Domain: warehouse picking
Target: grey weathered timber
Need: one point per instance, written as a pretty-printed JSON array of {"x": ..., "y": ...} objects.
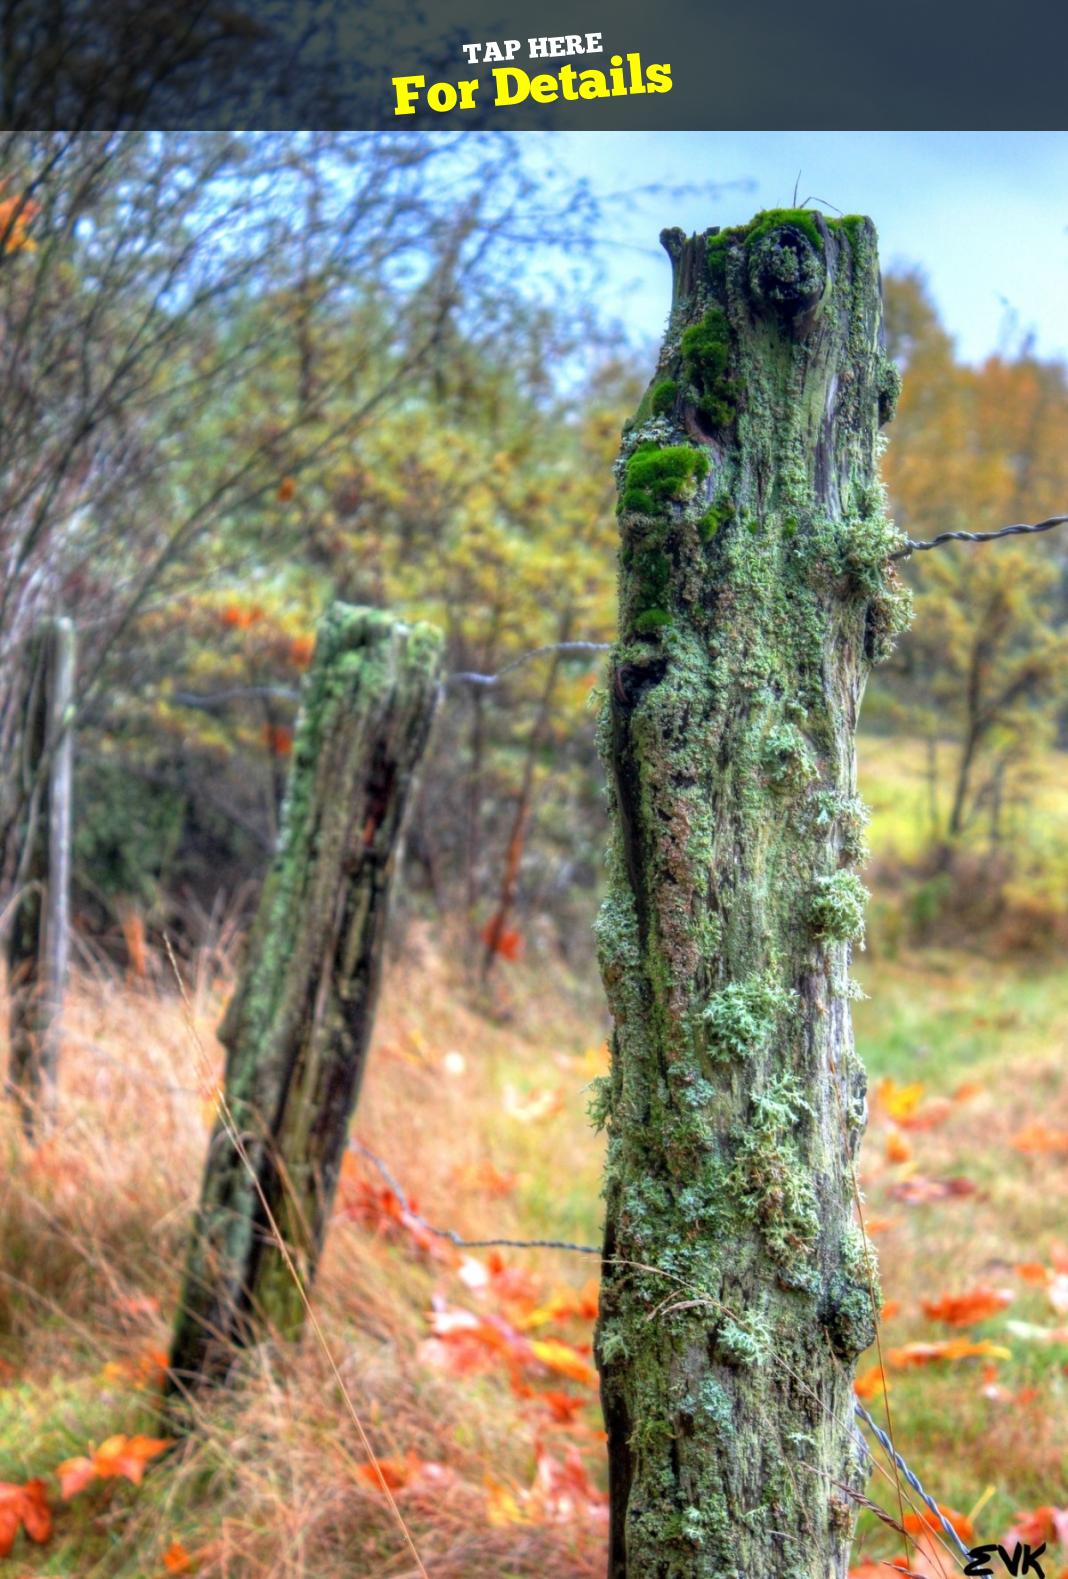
[
  {"x": 298, "y": 1027},
  {"x": 37, "y": 941},
  {"x": 755, "y": 591}
]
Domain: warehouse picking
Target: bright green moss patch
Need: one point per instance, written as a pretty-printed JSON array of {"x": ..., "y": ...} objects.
[
  {"x": 715, "y": 516},
  {"x": 652, "y": 620},
  {"x": 717, "y": 250},
  {"x": 663, "y": 396},
  {"x": 660, "y": 476},
  {"x": 706, "y": 355},
  {"x": 770, "y": 219}
]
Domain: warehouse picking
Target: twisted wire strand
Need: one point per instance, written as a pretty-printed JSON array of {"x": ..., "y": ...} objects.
[
  {"x": 471, "y": 677},
  {"x": 591, "y": 1250},
  {"x": 913, "y": 546},
  {"x": 450, "y": 1234},
  {"x": 911, "y": 1476}
]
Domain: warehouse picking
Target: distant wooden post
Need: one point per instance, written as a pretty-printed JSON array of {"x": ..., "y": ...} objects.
[
  {"x": 299, "y": 1025},
  {"x": 37, "y": 941}
]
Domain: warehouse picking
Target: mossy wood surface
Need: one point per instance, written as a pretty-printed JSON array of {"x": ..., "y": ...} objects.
[
  {"x": 298, "y": 1027},
  {"x": 37, "y": 939},
  {"x": 755, "y": 591}
]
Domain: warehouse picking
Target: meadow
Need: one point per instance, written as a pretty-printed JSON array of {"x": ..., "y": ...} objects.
[{"x": 468, "y": 1373}]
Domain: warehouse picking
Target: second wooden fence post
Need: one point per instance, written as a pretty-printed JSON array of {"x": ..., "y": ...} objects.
[
  {"x": 37, "y": 942},
  {"x": 299, "y": 1025}
]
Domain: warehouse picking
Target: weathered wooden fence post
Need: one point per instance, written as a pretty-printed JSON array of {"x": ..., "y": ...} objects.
[
  {"x": 38, "y": 933},
  {"x": 298, "y": 1027},
  {"x": 755, "y": 590}
]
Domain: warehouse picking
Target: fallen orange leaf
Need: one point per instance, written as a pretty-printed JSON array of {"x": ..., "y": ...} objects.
[
  {"x": 913, "y": 1354},
  {"x": 1033, "y": 1272},
  {"x": 897, "y": 1147},
  {"x": 898, "y": 1101},
  {"x": 929, "y": 1115},
  {"x": 562, "y": 1406},
  {"x": 147, "y": 1370},
  {"x": 120, "y": 1456},
  {"x": 1040, "y": 1139},
  {"x": 964, "y": 1310},
  {"x": 396, "y": 1472},
  {"x": 127, "y": 1456},
  {"x": 564, "y": 1305},
  {"x": 23, "y": 1507},
  {"x": 565, "y": 1360},
  {"x": 177, "y": 1560},
  {"x": 1040, "y": 1524},
  {"x": 74, "y": 1475},
  {"x": 870, "y": 1383},
  {"x": 917, "y": 1523}
]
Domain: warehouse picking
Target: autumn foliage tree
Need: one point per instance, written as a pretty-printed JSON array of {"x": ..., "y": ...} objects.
[
  {"x": 981, "y": 675},
  {"x": 200, "y": 335}
]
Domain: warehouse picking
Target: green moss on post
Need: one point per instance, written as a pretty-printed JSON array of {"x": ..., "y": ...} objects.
[
  {"x": 298, "y": 1027},
  {"x": 756, "y": 588}
]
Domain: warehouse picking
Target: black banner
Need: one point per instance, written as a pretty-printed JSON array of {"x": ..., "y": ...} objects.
[{"x": 580, "y": 65}]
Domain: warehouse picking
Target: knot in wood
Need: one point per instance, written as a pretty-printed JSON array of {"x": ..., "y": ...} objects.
[{"x": 787, "y": 274}]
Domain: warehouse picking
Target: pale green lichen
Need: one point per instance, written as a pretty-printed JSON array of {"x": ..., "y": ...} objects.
[
  {"x": 836, "y": 907},
  {"x": 742, "y": 1346},
  {"x": 741, "y": 1017},
  {"x": 787, "y": 758},
  {"x": 771, "y": 1180}
]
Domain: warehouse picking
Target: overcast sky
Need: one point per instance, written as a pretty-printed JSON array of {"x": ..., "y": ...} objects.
[{"x": 985, "y": 214}]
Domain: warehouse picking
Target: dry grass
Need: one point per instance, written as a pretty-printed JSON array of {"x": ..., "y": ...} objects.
[
  {"x": 92, "y": 1235},
  {"x": 93, "y": 1226}
]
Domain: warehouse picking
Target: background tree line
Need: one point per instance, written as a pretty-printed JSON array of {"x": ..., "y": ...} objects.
[{"x": 246, "y": 374}]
